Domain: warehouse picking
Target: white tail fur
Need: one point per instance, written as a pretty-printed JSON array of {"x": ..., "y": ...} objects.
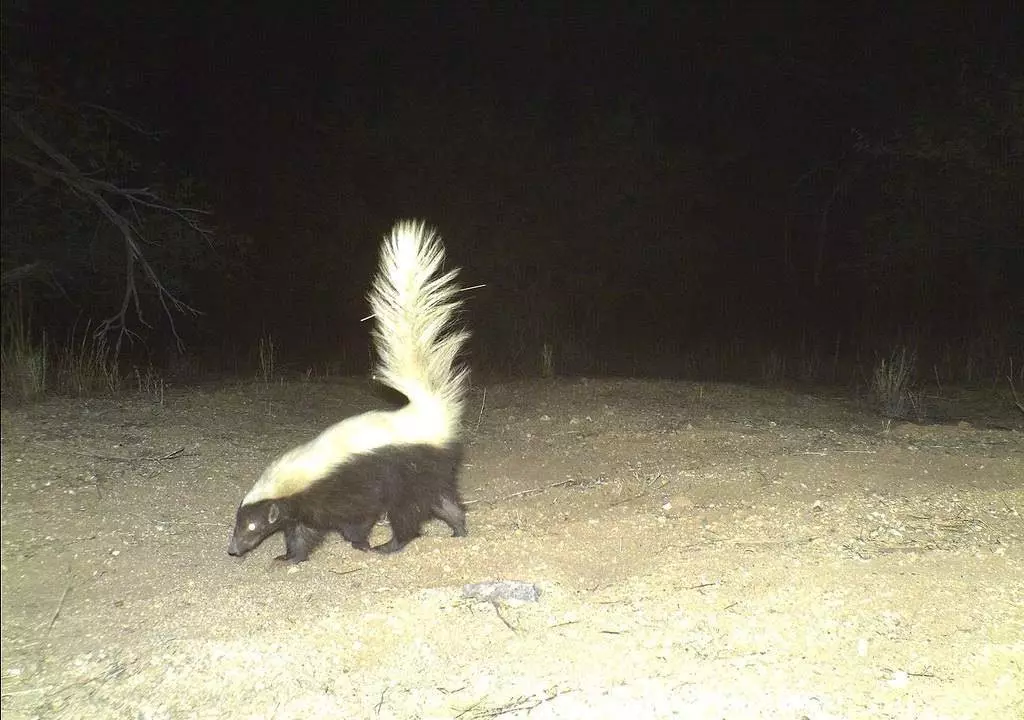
[{"x": 414, "y": 303}]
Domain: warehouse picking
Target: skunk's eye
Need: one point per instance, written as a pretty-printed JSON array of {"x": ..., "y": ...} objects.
[{"x": 252, "y": 526}]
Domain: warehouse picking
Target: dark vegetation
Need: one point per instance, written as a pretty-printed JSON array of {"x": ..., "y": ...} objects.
[{"x": 615, "y": 232}]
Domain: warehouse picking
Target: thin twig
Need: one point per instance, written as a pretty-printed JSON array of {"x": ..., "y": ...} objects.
[
  {"x": 648, "y": 487},
  {"x": 60, "y": 605},
  {"x": 119, "y": 458},
  {"x": 343, "y": 572},
  {"x": 518, "y": 705},
  {"x": 480, "y": 415},
  {"x": 371, "y": 316},
  {"x": 497, "y": 610},
  {"x": 379, "y": 705},
  {"x": 521, "y": 493}
]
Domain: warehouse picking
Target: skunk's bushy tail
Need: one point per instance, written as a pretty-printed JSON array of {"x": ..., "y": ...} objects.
[{"x": 414, "y": 303}]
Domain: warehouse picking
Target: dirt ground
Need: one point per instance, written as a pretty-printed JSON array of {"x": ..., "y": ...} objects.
[{"x": 701, "y": 551}]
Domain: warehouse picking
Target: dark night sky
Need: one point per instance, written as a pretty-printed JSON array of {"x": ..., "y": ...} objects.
[
  {"x": 240, "y": 91},
  {"x": 267, "y": 106}
]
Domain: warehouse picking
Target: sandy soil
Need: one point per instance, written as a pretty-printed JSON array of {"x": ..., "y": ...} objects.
[{"x": 701, "y": 552}]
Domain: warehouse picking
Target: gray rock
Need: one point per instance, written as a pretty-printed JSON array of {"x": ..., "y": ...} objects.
[{"x": 501, "y": 590}]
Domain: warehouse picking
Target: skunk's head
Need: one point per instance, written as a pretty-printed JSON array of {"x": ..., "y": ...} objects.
[{"x": 254, "y": 523}]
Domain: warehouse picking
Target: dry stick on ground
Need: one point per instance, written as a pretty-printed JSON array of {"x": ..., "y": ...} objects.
[
  {"x": 480, "y": 415},
  {"x": 521, "y": 493},
  {"x": 514, "y": 706},
  {"x": 119, "y": 458},
  {"x": 60, "y": 606},
  {"x": 335, "y": 572},
  {"x": 96, "y": 192},
  {"x": 648, "y": 486},
  {"x": 497, "y": 610},
  {"x": 379, "y": 705}
]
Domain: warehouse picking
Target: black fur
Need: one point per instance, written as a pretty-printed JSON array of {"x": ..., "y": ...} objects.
[{"x": 412, "y": 484}]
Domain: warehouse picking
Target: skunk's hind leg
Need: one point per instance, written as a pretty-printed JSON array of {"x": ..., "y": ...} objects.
[
  {"x": 405, "y": 526},
  {"x": 358, "y": 533},
  {"x": 449, "y": 509}
]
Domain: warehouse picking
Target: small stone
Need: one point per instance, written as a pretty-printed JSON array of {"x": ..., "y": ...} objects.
[{"x": 496, "y": 590}]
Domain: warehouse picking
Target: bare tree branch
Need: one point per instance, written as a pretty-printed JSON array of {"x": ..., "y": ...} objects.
[
  {"x": 9, "y": 277},
  {"x": 115, "y": 116},
  {"x": 97, "y": 191}
]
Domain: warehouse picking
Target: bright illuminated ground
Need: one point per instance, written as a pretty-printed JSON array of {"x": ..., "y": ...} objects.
[{"x": 703, "y": 552}]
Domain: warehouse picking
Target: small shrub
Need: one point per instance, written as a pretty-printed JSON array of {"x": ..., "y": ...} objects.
[
  {"x": 150, "y": 382},
  {"x": 547, "y": 361},
  {"x": 891, "y": 383},
  {"x": 23, "y": 361},
  {"x": 773, "y": 367},
  {"x": 267, "y": 355},
  {"x": 87, "y": 366}
]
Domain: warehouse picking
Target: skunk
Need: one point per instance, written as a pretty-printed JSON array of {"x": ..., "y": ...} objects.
[{"x": 401, "y": 462}]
